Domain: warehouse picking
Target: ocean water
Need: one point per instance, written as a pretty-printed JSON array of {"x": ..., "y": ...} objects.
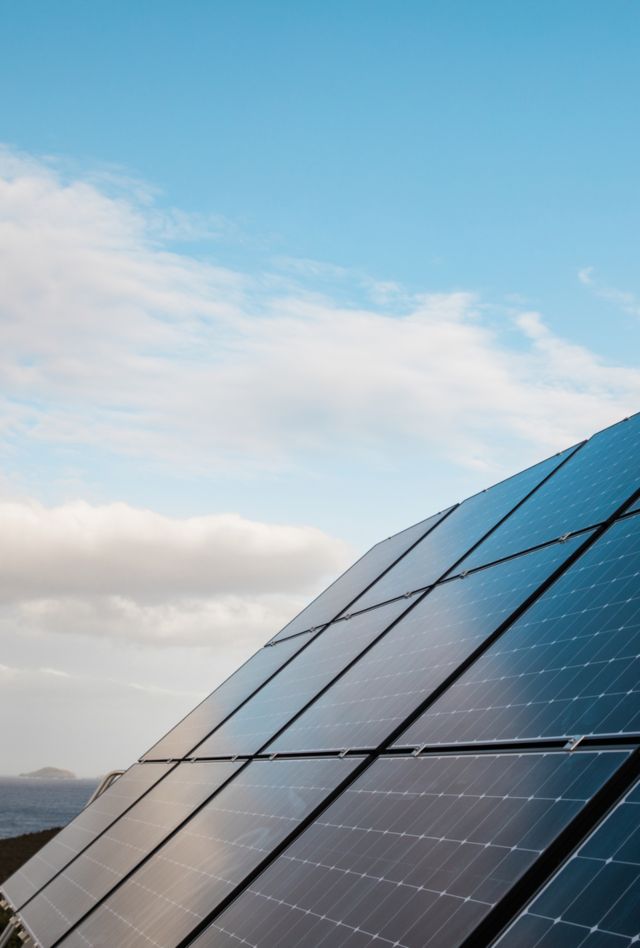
[{"x": 29, "y": 804}]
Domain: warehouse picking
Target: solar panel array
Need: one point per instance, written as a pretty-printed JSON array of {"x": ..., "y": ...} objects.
[{"x": 442, "y": 749}]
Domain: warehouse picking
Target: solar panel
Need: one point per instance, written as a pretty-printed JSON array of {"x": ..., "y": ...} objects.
[
  {"x": 468, "y": 523},
  {"x": 433, "y": 754},
  {"x": 569, "y": 666},
  {"x": 415, "y": 853},
  {"x": 594, "y": 900},
  {"x": 224, "y": 700},
  {"x": 585, "y": 491},
  {"x": 358, "y": 577},
  {"x": 418, "y": 654},
  {"x": 117, "y": 852},
  {"x": 252, "y": 726},
  {"x": 81, "y": 831},
  {"x": 208, "y": 857}
]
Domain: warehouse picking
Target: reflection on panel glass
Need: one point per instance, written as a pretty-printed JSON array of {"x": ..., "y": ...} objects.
[
  {"x": 291, "y": 689},
  {"x": 415, "y": 853},
  {"x": 594, "y": 900},
  {"x": 82, "y": 831},
  {"x": 208, "y": 857},
  {"x": 224, "y": 700},
  {"x": 348, "y": 587},
  {"x": 468, "y": 523},
  {"x": 569, "y": 666},
  {"x": 94, "y": 873},
  {"x": 585, "y": 491},
  {"x": 364, "y": 706}
]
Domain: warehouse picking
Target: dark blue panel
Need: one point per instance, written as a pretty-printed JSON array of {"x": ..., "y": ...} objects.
[
  {"x": 290, "y": 690},
  {"x": 594, "y": 900},
  {"x": 415, "y": 853},
  {"x": 357, "y": 578},
  {"x": 206, "y": 859},
  {"x": 364, "y": 706},
  {"x": 569, "y": 666},
  {"x": 90, "y": 877},
  {"x": 468, "y": 523},
  {"x": 585, "y": 491},
  {"x": 213, "y": 710},
  {"x": 82, "y": 831}
]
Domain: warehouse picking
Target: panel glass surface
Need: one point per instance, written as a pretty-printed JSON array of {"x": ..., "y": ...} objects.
[
  {"x": 415, "y": 853},
  {"x": 82, "y": 831},
  {"x": 358, "y": 577},
  {"x": 594, "y": 900},
  {"x": 569, "y": 666},
  {"x": 95, "y": 872},
  {"x": 468, "y": 523},
  {"x": 224, "y": 700},
  {"x": 364, "y": 706},
  {"x": 585, "y": 491},
  {"x": 207, "y": 858},
  {"x": 290, "y": 690}
]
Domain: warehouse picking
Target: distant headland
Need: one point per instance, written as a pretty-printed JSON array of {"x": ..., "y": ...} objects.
[{"x": 51, "y": 773}]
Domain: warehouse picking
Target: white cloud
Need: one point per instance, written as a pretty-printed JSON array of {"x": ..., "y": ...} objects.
[
  {"x": 110, "y": 338},
  {"x": 107, "y": 338},
  {"x": 117, "y": 571}
]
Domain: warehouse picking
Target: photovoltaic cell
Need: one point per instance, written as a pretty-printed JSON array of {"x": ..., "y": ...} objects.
[
  {"x": 290, "y": 690},
  {"x": 594, "y": 900},
  {"x": 415, "y": 853},
  {"x": 585, "y": 491},
  {"x": 468, "y": 523},
  {"x": 207, "y": 858},
  {"x": 96, "y": 871},
  {"x": 364, "y": 706},
  {"x": 82, "y": 831},
  {"x": 224, "y": 700},
  {"x": 358, "y": 577},
  {"x": 569, "y": 666}
]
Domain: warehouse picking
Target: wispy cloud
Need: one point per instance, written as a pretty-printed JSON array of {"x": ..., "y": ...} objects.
[
  {"x": 622, "y": 299},
  {"x": 108, "y": 337}
]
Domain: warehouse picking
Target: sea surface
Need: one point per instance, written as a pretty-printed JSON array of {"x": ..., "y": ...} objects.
[{"x": 30, "y": 804}]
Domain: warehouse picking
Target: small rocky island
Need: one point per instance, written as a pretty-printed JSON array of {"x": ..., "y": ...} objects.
[{"x": 51, "y": 773}]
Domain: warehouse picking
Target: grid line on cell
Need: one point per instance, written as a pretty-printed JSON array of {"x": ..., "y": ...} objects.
[
  {"x": 421, "y": 656},
  {"x": 369, "y": 863}
]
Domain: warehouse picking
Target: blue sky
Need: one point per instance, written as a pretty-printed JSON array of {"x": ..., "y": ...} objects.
[{"x": 322, "y": 268}]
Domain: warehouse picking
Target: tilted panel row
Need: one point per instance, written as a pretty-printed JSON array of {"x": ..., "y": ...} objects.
[
  {"x": 585, "y": 491},
  {"x": 204, "y": 862},
  {"x": 594, "y": 900},
  {"x": 415, "y": 853},
  {"x": 118, "y": 851},
  {"x": 430, "y": 559},
  {"x": 217, "y": 707},
  {"x": 257, "y": 721},
  {"x": 570, "y": 666},
  {"x": 341, "y": 593},
  {"x": 82, "y": 831},
  {"x": 418, "y": 655}
]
